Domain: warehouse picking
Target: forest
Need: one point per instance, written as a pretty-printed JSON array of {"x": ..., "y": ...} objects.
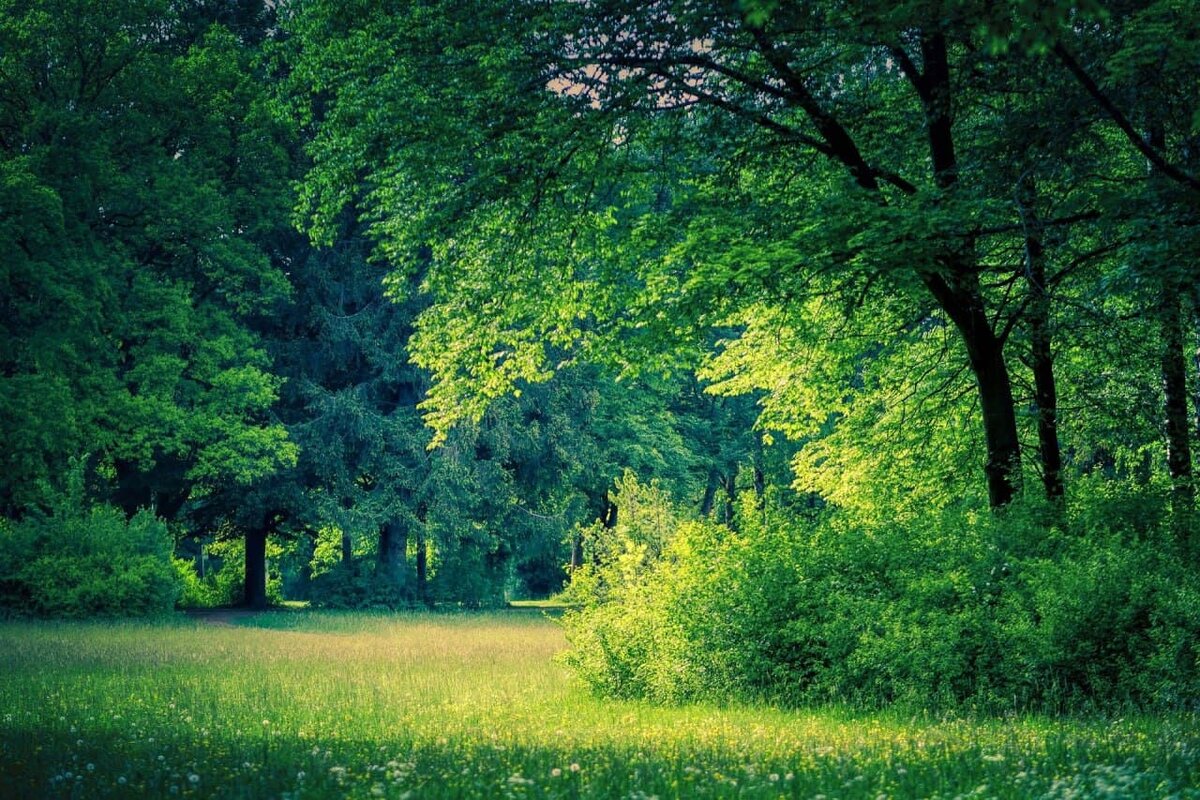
[
  {"x": 806, "y": 352},
  {"x": 599, "y": 399}
]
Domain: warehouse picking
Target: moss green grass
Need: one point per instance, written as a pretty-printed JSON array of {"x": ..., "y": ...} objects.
[{"x": 309, "y": 705}]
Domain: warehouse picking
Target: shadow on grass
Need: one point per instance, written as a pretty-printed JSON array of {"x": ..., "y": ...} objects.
[{"x": 108, "y": 760}]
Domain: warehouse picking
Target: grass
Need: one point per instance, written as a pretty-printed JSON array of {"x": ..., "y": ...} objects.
[{"x": 307, "y": 705}]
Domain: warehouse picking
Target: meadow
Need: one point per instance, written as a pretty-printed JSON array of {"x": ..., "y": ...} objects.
[{"x": 306, "y": 705}]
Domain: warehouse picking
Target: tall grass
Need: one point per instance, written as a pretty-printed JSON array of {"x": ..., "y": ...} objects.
[{"x": 304, "y": 705}]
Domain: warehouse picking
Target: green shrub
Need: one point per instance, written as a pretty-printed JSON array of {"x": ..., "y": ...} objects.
[
  {"x": 195, "y": 592},
  {"x": 356, "y": 584},
  {"x": 74, "y": 563},
  {"x": 344, "y": 586},
  {"x": 1032, "y": 608},
  {"x": 471, "y": 572}
]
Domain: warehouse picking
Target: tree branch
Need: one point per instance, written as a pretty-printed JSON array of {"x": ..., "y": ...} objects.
[
  {"x": 1122, "y": 121},
  {"x": 840, "y": 144}
]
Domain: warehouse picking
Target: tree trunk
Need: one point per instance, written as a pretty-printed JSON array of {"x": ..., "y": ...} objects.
[
  {"x": 1044, "y": 387},
  {"x": 958, "y": 291},
  {"x": 730, "y": 485},
  {"x": 1196, "y": 359},
  {"x": 710, "y": 492},
  {"x": 608, "y": 519},
  {"x": 347, "y": 550},
  {"x": 954, "y": 281},
  {"x": 304, "y": 578},
  {"x": 393, "y": 548},
  {"x": 255, "y": 594},
  {"x": 1175, "y": 394},
  {"x": 963, "y": 303},
  {"x": 422, "y": 570},
  {"x": 576, "y": 549},
  {"x": 1003, "y": 463},
  {"x": 608, "y": 514}
]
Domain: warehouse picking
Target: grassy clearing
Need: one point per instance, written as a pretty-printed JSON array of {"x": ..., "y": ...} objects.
[{"x": 306, "y": 705}]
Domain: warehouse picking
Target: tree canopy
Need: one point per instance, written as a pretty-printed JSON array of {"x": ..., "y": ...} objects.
[{"x": 620, "y": 181}]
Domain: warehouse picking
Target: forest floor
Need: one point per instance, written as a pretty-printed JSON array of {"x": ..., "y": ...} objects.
[{"x": 314, "y": 705}]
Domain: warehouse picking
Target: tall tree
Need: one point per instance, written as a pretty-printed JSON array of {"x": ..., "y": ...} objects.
[{"x": 140, "y": 171}]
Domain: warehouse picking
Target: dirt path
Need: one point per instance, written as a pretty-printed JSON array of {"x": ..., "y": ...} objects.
[{"x": 224, "y": 617}]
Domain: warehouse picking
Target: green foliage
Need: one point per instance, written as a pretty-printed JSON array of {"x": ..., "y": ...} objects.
[
  {"x": 946, "y": 249},
  {"x": 616, "y": 557},
  {"x": 223, "y": 582},
  {"x": 79, "y": 559},
  {"x": 346, "y": 586},
  {"x": 139, "y": 177},
  {"x": 955, "y": 609},
  {"x": 195, "y": 592},
  {"x": 359, "y": 583}
]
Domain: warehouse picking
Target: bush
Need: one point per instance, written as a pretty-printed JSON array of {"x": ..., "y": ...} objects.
[
  {"x": 471, "y": 571},
  {"x": 344, "y": 587},
  {"x": 76, "y": 563},
  {"x": 195, "y": 592},
  {"x": 1030, "y": 609}
]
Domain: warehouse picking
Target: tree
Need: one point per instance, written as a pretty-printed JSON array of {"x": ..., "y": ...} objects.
[
  {"x": 1136, "y": 74},
  {"x": 143, "y": 183},
  {"x": 634, "y": 111}
]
